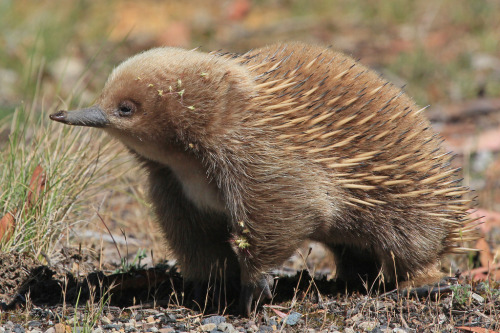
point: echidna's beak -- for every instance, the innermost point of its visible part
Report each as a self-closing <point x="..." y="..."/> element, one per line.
<point x="92" y="117"/>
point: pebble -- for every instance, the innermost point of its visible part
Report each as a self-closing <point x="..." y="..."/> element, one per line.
<point x="226" y="327"/>
<point x="105" y="320"/>
<point x="18" y="329"/>
<point x="166" y="330"/>
<point x="34" y="323"/>
<point x="293" y="318"/>
<point x="368" y="326"/>
<point x="61" y="328"/>
<point x="208" y="327"/>
<point x="399" y="330"/>
<point x="477" y="297"/>
<point x="214" y="320"/>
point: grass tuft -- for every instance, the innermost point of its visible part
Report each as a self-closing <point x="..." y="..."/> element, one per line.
<point x="47" y="172"/>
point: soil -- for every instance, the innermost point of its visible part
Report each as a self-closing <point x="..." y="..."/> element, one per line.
<point x="158" y="297"/>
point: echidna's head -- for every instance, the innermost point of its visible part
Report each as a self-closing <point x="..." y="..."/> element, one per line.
<point x="162" y="94"/>
<point x="141" y="93"/>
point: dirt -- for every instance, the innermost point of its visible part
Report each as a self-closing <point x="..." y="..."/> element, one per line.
<point x="51" y="293"/>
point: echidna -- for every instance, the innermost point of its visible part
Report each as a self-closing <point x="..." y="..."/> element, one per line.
<point x="249" y="155"/>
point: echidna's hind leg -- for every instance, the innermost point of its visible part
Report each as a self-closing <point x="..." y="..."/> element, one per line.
<point x="355" y="266"/>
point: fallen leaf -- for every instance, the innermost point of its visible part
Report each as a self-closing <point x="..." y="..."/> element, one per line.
<point x="490" y="219"/>
<point x="7" y="224"/>
<point x="279" y="313"/>
<point x="475" y="329"/>
<point x="238" y="9"/>
<point x="36" y="187"/>
<point x="486" y="257"/>
<point x="482" y="273"/>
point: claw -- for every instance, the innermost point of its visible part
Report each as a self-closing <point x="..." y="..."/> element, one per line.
<point x="259" y="290"/>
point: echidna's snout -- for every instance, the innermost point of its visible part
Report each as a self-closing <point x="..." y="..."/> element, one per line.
<point x="92" y="117"/>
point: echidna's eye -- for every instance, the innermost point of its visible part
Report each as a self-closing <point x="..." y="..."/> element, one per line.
<point x="126" y="108"/>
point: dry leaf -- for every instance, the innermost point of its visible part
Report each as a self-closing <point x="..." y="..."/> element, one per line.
<point x="37" y="185"/>
<point x="475" y="329"/>
<point x="7" y="224"/>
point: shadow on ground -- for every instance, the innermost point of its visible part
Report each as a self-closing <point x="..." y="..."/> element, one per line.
<point x="23" y="280"/>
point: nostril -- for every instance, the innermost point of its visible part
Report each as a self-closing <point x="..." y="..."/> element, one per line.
<point x="59" y="116"/>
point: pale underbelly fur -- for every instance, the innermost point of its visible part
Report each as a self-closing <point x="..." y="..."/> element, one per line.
<point x="190" y="172"/>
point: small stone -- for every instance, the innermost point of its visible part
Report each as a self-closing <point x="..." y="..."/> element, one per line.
<point x="61" y="328"/>
<point x="293" y="318"/>
<point x="208" y="327"/>
<point x="355" y="319"/>
<point x="153" y="329"/>
<point x="349" y="330"/>
<point x="34" y="323"/>
<point x="214" y="320"/>
<point x="51" y="330"/>
<point x="166" y="330"/>
<point x="399" y="330"/>
<point x="105" y="320"/>
<point x="368" y="326"/>
<point x="477" y="297"/>
<point x="112" y="326"/>
<point x="226" y="327"/>
<point x="150" y="319"/>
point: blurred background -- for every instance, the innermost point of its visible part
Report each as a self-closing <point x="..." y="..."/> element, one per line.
<point x="58" y="54"/>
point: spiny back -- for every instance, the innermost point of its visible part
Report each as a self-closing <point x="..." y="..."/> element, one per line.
<point x="322" y="106"/>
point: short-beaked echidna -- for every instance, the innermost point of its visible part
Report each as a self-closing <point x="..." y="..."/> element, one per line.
<point x="249" y="155"/>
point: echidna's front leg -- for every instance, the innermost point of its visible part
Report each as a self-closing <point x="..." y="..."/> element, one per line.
<point x="251" y="291"/>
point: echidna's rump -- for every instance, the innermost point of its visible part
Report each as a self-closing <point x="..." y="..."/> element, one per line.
<point x="249" y="155"/>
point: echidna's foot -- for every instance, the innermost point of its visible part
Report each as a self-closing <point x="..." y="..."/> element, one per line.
<point x="356" y="268"/>
<point x="260" y="290"/>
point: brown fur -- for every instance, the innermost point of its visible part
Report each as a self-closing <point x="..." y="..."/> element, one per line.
<point x="249" y="155"/>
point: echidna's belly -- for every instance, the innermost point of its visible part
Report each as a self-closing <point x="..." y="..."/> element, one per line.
<point x="196" y="185"/>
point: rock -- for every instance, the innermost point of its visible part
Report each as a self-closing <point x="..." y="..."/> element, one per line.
<point x="355" y="319"/>
<point x="166" y="330"/>
<point x="477" y="297"/>
<point x="61" y="328"/>
<point x="208" y="327"/>
<point x="399" y="330"/>
<point x="226" y="327"/>
<point x="368" y="326"/>
<point x="34" y="323"/>
<point x="293" y="318"/>
<point x="214" y="320"/>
